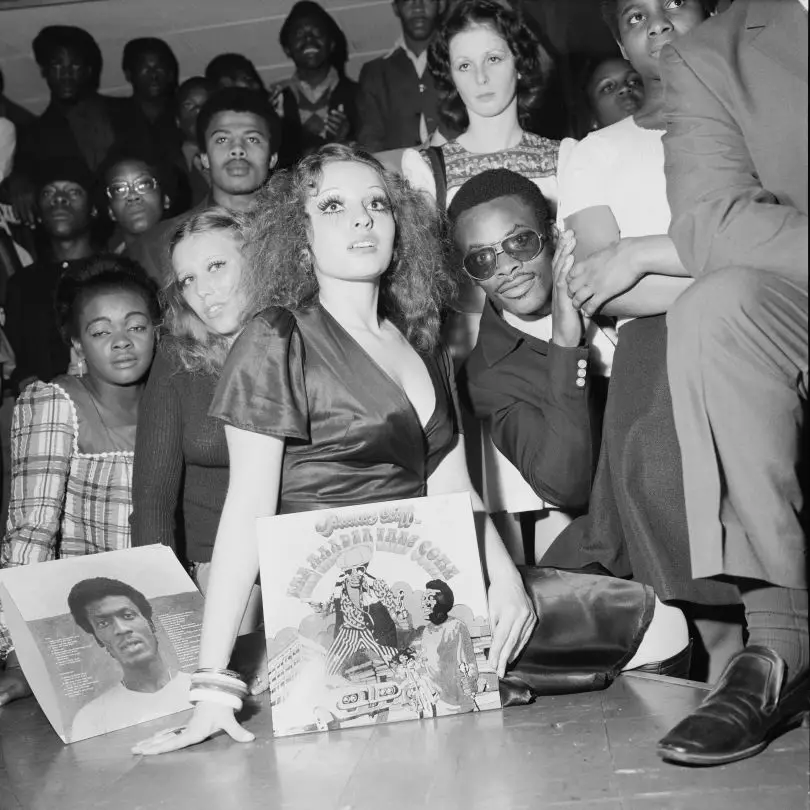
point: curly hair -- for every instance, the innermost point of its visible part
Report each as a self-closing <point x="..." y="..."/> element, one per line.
<point x="279" y="268"/>
<point x="193" y="344"/>
<point x="532" y="61"/>
<point x="103" y="273"/>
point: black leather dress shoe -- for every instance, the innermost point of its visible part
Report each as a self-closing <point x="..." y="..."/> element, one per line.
<point x="749" y="707"/>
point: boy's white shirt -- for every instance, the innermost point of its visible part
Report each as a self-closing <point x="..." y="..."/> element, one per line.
<point x="601" y="340"/>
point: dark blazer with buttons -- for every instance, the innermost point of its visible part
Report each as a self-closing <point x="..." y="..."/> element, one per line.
<point x="391" y="101"/>
<point x="543" y="406"/>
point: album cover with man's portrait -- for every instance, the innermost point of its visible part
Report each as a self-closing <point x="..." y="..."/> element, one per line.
<point x="375" y="614"/>
<point x="106" y="641"/>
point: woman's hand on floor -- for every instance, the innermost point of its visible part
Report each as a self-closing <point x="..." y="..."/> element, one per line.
<point x="513" y="621"/>
<point x="207" y="720"/>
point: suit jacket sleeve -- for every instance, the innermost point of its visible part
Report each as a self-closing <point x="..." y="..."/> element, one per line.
<point x="721" y="215"/>
<point x="371" y="109"/>
<point x="549" y="439"/>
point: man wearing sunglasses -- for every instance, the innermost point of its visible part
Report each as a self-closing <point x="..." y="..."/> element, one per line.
<point x="530" y="374"/>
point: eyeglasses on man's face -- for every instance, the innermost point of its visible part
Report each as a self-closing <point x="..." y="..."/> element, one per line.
<point x="122" y="190"/>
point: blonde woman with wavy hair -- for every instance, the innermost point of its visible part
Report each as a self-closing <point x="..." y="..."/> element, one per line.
<point x="181" y="457"/>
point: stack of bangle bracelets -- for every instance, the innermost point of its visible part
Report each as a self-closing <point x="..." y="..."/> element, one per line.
<point x="223" y="686"/>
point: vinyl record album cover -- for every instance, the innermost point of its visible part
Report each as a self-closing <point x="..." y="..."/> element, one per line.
<point x="374" y="614"/>
<point x="106" y="641"/>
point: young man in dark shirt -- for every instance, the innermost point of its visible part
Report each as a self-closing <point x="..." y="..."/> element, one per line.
<point x="78" y="124"/>
<point x="63" y="195"/>
<point x="318" y="104"/>
<point x="149" y="114"/>
<point x="239" y="135"/>
<point x="531" y="373"/>
<point x="397" y="102"/>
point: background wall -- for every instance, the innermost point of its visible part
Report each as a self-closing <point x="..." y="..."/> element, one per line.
<point x="197" y="30"/>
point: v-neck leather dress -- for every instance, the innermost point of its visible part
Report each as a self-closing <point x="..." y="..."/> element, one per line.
<point x="352" y="436"/>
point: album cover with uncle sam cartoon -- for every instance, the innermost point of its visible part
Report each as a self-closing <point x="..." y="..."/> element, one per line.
<point x="375" y="614"/>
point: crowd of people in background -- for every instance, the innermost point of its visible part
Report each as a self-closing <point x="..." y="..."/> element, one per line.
<point x="601" y="337"/>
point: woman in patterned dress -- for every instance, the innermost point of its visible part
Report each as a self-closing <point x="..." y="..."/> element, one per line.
<point x="73" y="439"/>
<point x="490" y="71"/>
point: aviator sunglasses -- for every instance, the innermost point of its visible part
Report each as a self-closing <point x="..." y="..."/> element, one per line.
<point x="481" y="263"/>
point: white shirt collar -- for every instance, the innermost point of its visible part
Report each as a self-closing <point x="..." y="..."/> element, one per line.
<point x="419" y="62"/>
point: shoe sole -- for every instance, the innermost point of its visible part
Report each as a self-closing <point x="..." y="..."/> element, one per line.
<point x="708" y="760"/>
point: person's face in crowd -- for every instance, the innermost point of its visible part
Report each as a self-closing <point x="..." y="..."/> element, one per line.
<point x="520" y="287"/>
<point x="189" y="104"/>
<point x="615" y="90"/>
<point x="152" y="76"/>
<point x="419" y="18"/>
<point x="483" y="70"/>
<point x="310" y="44"/>
<point x="68" y="75"/>
<point x="237" y="152"/>
<point x="136" y="200"/>
<point x="122" y="630"/>
<point x="208" y="267"/>
<point x="115" y="336"/>
<point x="351" y="223"/>
<point x="240" y="78"/>
<point x="645" y="26"/>
<point x="65" y="209"/>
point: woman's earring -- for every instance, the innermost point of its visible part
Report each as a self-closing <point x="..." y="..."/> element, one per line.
<point x="80" y="368"/>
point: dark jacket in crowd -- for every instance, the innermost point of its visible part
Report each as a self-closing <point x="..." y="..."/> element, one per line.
<point x="296" y="140"/>
<point x="544" y="415"/>
<point x="158" y="142"/>
<point x="31" y="322"/>
<point x="95" y="125"/>
<point x="391" y="101"/>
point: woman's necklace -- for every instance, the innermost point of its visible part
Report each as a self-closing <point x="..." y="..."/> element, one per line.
<point x="110" y="434"/>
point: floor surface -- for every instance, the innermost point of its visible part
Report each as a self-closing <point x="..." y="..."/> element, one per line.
<point x="590" y="752"/>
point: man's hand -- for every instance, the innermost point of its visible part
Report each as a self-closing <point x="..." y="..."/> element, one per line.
<point x="337" y="125"/>
<point x="22" y="195"/>
<point x="275" y="93"/>
<point x="605" y="274"/>
<point x="567" y="324"/>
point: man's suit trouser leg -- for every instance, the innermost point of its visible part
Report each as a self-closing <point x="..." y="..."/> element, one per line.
<point x="737" y="359"/>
